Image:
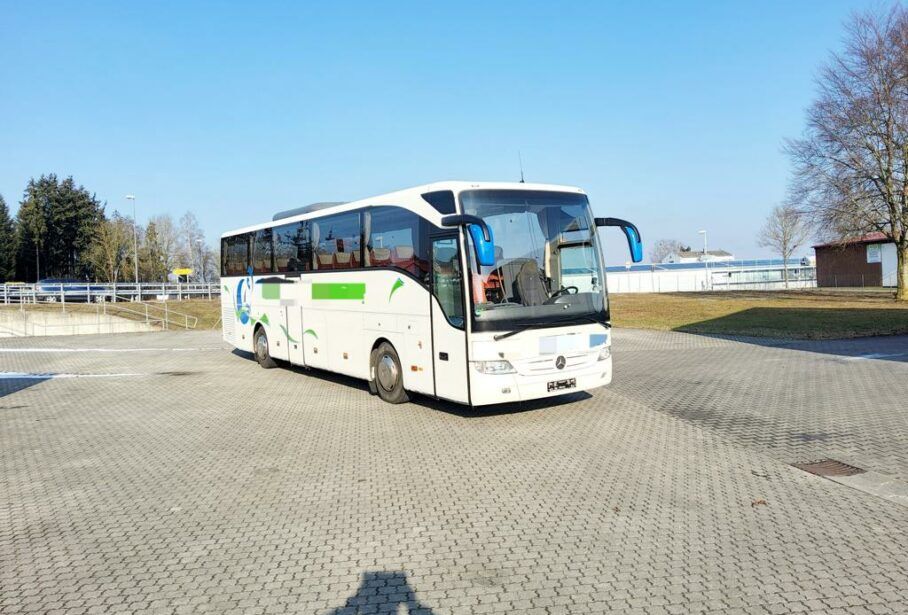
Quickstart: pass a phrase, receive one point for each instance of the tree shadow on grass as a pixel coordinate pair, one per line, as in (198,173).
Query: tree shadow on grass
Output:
(461,410)
(856,333)
(383,593)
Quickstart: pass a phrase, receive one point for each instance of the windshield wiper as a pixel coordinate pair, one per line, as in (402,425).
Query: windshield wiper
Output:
(523,327)
(530,325)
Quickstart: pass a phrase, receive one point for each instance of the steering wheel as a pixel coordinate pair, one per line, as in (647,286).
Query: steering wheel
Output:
(564,290)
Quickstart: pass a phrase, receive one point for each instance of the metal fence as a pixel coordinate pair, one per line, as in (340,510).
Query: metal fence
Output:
(94,292)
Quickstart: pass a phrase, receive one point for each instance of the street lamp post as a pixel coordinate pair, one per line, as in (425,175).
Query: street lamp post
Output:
(135,238)
(706,260)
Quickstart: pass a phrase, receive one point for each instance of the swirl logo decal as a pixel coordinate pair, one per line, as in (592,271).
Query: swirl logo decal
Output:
(241,301)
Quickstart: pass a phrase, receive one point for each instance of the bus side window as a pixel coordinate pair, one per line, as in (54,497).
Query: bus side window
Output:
(262,252)
(235,255)
(291,247)
(336,241)
(396,238)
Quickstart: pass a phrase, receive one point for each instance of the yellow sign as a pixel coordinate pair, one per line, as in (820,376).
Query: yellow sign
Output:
(184,271)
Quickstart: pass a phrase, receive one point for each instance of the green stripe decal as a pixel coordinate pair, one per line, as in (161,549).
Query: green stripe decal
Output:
(397,284)
(310,332)
(289,337)
(334,291)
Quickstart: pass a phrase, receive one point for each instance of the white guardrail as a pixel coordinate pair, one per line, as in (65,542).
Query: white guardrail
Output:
(97,292)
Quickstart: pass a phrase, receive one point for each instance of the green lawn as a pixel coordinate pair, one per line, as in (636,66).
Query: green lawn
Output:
(803,314)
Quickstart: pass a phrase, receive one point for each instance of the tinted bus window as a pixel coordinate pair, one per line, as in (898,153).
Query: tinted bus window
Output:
(396,238)
(336,242)
(262,252)
(291,247)
(441,200)
(234,255)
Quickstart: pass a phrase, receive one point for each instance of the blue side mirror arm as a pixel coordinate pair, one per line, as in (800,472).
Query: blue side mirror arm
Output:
(480,232)
(464,219)
(634,240)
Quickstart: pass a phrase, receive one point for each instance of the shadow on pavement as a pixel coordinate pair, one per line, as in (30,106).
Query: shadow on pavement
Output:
(10,384)
(460,410)
(383,593)
(464,411)
(864,333)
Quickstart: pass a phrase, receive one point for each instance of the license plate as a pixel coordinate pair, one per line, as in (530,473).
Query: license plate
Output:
(557,385)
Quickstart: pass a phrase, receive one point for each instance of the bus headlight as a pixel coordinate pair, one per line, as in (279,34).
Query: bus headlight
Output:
(605,353)
(494,367)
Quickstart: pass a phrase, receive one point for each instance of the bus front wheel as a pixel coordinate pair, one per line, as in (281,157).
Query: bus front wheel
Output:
(387,375)
(262,355)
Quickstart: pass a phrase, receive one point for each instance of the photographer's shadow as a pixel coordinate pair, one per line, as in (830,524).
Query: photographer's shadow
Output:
(383,593)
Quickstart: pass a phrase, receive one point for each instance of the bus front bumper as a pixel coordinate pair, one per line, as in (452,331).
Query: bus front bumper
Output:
(488,389)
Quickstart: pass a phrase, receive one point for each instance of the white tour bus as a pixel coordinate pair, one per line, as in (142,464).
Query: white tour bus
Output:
(478,293)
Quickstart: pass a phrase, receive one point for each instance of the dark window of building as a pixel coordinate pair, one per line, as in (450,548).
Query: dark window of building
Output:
(262,252)
(291,248)
(441,200)
(336,242)
(235,255)
(396,238)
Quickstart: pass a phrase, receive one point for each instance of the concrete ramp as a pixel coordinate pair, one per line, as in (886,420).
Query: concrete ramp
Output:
(16,322)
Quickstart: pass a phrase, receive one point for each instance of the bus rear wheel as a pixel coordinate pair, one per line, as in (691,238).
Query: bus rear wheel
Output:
(262,355)
(387,375)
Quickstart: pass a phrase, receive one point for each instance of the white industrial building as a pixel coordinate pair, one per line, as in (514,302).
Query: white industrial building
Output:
(698,256)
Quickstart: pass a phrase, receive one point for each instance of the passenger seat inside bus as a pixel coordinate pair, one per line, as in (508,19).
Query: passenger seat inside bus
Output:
(380,257)
(402,256)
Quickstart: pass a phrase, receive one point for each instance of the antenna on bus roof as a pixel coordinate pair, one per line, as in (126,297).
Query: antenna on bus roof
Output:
(520,158)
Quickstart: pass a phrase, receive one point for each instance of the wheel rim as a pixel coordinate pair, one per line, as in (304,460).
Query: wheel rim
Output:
(387,372)
(261,346)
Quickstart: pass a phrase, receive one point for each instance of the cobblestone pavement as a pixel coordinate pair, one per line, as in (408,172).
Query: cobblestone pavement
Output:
(181,477)
(797,401)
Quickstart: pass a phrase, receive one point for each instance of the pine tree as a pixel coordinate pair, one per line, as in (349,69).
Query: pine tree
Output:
(58,221)
(8,242)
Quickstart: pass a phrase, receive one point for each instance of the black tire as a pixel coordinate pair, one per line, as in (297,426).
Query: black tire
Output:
(260,346)
(388,375)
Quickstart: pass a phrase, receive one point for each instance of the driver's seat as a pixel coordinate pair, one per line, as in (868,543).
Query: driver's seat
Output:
(529,284)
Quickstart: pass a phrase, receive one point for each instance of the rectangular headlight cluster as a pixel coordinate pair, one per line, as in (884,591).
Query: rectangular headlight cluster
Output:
(494,367)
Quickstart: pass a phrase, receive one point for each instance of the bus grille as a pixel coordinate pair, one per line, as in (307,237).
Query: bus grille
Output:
(546,365)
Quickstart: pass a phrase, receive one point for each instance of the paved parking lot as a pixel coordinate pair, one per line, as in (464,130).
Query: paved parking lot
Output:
(162,473)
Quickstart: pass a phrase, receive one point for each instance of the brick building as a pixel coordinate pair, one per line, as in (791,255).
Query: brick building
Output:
(867,261)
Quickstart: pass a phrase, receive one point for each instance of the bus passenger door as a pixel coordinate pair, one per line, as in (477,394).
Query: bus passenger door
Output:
(449,342)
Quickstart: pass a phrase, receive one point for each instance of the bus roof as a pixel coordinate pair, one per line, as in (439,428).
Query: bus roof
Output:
(410,198)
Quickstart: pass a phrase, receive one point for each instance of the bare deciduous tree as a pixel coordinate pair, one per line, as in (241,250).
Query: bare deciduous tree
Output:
(851,165)
(663,248)
(168,241)
(193,243)
(111,251)
(784,231)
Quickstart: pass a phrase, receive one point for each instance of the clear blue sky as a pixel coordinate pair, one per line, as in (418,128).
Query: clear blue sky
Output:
(670,114)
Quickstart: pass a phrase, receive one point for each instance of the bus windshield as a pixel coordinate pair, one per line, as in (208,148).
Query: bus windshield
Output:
(547,260)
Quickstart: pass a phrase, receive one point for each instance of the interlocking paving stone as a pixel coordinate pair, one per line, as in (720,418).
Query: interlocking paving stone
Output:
(209,485)
(798,401)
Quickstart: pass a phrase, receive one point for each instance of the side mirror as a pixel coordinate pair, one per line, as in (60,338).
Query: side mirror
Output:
(634,241)
(480,233)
